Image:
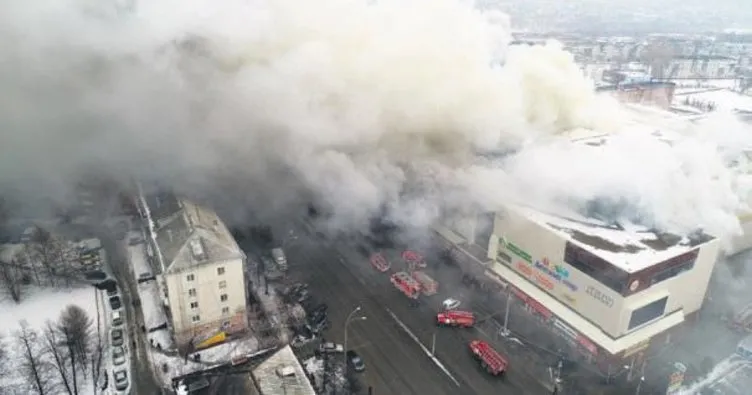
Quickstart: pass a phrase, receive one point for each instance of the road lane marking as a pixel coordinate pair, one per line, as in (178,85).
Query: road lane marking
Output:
(424,348)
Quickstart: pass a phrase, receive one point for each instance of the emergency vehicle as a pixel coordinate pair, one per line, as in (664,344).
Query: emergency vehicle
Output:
(406,284)
(491,360)
(463,319)
(428,285)
(380,263)
(413,259)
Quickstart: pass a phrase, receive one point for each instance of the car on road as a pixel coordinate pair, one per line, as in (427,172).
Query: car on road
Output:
(450,304)
(329,347)
(318,317)
(118,355)
(319,309)
(121,379)
(116,337)
(355,361)
(320,326)
(113,291)
(303,335)
(115,302)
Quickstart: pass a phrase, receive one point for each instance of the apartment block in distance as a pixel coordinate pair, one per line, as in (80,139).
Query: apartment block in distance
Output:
(200,270)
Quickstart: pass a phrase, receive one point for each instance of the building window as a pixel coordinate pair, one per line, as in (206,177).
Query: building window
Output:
(194,305)
(220,271)
(225,310)
(196,318)
(223,284)
(192,292)
(648,313)
(596,268)
(223,298)
(677,266)
(190,277)
(504,257)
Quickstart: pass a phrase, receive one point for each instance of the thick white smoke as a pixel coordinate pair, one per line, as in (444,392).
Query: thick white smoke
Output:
(365,102)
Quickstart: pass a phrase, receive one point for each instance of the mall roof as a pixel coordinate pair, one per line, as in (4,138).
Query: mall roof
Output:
(630,248)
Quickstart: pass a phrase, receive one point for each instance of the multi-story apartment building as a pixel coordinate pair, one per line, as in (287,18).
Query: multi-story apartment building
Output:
(200,269)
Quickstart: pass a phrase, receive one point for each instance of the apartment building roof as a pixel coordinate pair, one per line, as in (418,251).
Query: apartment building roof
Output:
(188,234)
(281,374)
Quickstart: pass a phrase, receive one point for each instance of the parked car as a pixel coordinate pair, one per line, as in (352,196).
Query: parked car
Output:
(317,317)
(451,304)
(118,355)
(121,379)
(115,302)
(304,336)
(320,326)
(112,291)
(329,347)
(318,309)
(116,337)
(355,361)
(117,318)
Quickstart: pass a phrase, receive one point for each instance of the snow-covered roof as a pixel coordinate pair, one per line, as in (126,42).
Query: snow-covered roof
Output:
(281,374)
(189,234)
(631,248)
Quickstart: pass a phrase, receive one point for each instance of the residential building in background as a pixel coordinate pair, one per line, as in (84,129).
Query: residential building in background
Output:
(200,269)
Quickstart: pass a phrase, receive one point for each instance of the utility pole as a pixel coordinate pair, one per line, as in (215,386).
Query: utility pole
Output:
(433,344)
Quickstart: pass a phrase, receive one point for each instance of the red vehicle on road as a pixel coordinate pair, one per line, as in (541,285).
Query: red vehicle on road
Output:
(491,360)
(463,319)
(413,259)
(406,284)
(379,262)
(428,285)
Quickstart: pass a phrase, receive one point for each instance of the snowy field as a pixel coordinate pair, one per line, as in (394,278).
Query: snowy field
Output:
(35,309)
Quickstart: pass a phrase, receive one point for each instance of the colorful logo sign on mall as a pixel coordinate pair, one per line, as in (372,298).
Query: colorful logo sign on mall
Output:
(556,272)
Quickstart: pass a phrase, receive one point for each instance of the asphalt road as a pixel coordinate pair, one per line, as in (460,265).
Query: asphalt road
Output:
(342,278)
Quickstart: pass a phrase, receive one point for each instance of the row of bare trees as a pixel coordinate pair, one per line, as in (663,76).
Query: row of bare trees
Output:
(61,358)
(44,260)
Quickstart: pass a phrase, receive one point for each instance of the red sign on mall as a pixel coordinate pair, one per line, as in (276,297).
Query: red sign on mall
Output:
(587,344)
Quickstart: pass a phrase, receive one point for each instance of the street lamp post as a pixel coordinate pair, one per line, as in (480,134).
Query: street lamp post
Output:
(347,323)
(506,313)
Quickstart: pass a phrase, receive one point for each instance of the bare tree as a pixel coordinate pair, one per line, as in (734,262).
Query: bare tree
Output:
(12,277)
(76,324)
(32,364)
(56,348)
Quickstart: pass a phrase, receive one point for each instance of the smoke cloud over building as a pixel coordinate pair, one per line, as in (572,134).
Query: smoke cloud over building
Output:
(356,103)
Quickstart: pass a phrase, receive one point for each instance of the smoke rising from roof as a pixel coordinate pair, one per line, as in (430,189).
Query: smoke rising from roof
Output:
(360,103)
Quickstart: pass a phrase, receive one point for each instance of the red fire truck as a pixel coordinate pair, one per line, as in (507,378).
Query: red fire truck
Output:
(380,263)
(463,319)
(406,284)
(413,259)
(428,285)
(491,360)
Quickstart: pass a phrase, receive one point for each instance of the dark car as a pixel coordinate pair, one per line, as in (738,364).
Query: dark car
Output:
(355,361)
(116,336)
(115,302)
(319,309)
(318,317)
(320,326)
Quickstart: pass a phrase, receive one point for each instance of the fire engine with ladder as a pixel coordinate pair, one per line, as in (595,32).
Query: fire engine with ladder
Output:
(462,319)
(413,259)
(428,285)
(405,283)
(491,360)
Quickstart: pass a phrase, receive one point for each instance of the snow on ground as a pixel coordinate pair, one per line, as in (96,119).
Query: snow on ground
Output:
(275,310)
(36,308)
(722,99)
(689,86)
(314,366)
(226,351)
(137,257)
(169,366)
(151,298)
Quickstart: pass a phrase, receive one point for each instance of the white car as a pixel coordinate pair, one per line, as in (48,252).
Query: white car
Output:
(451,304)
(330,347)
(118,356)
(121,379)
